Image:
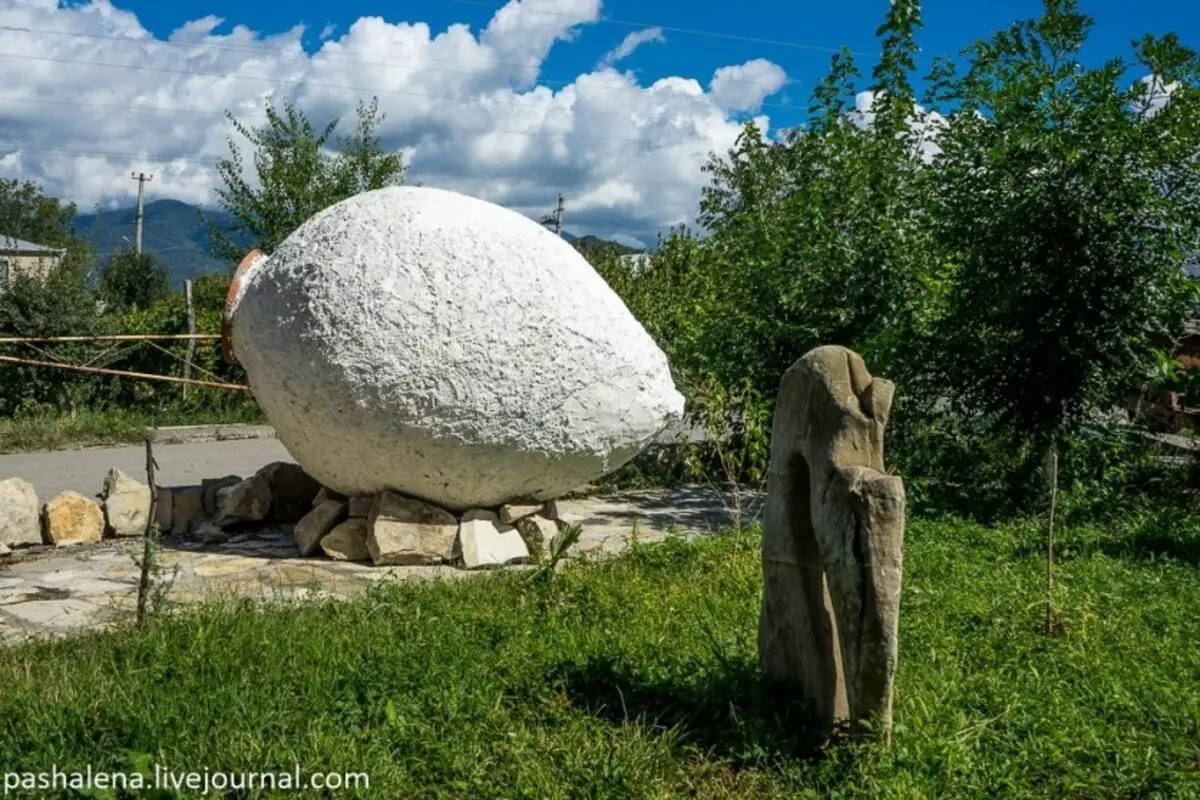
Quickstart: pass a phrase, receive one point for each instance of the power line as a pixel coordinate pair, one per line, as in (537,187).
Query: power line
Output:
(674,29)
(302,82)
(215,114)
(305,82)
(263,50)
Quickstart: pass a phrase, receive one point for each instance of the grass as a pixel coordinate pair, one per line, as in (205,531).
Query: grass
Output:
(638,678)
(95,429)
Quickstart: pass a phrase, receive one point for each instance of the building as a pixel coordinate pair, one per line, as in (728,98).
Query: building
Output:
(19,258)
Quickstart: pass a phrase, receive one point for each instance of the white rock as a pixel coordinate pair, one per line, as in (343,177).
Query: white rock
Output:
(245,501)
(316,524)
(348,541)
(126,504)
(19,522)
(187,505)
(164,508)
(486,541)
(537,531)
(424,341)
(405,531)
(512,512)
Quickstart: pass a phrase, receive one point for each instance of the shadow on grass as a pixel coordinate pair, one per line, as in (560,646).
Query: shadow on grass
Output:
(1145,546)
(737,713)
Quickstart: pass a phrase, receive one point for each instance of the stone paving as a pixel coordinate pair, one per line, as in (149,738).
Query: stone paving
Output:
(76,588)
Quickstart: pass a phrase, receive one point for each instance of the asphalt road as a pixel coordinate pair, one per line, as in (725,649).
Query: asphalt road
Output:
(178,464)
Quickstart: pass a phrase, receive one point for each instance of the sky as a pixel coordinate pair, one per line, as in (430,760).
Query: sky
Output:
(616,104)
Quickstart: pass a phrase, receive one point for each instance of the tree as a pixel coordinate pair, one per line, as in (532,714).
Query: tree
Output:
(297,175)
(133,280)
(1066,197)
(57,304)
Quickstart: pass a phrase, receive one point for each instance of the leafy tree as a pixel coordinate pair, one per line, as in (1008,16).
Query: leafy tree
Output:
(1066,197)
(57,304)
(133,280)
(297,175)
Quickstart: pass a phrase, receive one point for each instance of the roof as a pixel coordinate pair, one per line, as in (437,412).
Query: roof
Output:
(11,244)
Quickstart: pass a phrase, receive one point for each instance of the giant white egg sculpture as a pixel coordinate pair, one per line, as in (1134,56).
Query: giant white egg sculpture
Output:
(432,343)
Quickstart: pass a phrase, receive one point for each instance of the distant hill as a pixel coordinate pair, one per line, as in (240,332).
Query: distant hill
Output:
(171,230)
(590,242)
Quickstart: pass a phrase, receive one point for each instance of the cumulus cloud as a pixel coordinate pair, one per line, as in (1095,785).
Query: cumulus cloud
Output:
(924,123)
(632,42)
(90,95)
(743,87)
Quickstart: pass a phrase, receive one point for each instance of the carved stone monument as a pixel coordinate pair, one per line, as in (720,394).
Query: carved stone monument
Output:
(833,540)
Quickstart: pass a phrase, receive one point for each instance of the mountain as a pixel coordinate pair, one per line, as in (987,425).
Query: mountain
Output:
(171,230)
(592,242)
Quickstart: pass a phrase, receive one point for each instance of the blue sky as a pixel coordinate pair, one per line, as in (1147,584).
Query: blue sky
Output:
(949,26)
(94,89)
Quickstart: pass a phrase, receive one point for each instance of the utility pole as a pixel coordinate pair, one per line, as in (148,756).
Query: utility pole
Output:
(558,214)
(141,178)
(191,345)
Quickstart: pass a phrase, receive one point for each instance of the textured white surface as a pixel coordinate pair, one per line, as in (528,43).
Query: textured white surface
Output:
(487,542)
(424,341)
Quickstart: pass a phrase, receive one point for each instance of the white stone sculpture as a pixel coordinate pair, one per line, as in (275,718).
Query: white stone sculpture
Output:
(428,342)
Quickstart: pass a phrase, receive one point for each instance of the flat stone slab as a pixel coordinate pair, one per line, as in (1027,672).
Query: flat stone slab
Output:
(57,592)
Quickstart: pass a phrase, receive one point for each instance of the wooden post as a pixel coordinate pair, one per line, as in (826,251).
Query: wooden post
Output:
(147,540)
(1052,479)
(191,347)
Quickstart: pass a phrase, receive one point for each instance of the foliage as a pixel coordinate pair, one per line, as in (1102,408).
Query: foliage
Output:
(1068,207)
(296,175)
(133,280)
(640,678)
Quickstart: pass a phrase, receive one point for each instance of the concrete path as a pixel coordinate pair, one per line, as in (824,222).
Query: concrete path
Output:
(48,591)
(83,471)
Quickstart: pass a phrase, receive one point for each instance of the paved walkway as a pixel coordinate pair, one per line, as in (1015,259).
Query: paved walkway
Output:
(83,587)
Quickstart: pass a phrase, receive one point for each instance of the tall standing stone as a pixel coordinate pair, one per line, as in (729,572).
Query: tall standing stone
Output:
(832,540)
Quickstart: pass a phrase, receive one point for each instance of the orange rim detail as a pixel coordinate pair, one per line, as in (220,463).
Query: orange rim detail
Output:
(226,322)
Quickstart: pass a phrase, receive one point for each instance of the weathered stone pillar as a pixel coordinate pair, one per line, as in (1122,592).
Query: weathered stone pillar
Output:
(833,540)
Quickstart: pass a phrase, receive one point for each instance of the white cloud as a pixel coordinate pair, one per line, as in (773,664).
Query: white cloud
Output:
(745,86)
(465,108)
(924,123)
(632,42)
(1158,94)
(327,31)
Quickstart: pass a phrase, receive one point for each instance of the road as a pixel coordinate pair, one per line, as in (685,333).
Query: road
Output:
(178,464)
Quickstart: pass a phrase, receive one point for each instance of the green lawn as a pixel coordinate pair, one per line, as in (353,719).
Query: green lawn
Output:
(94,429)
(638,679)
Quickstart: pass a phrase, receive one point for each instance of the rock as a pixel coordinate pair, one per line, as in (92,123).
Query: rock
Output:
(326,494)
(348,541)
(4,549)
(486,541)
(126,505)
(510,512)
(19,523)
(833,533)
(550,509)
(447,348)
(316,524)
(164,509)
(537,531)
(360,506)
(406,531)
(292,491)
(210,487)
(186,505)
(72,518)
(208,532)
(244,501)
